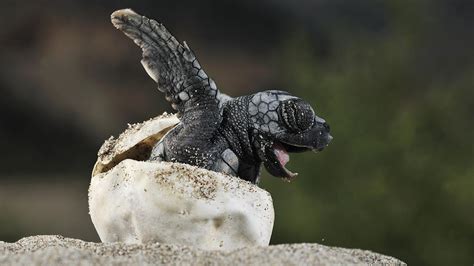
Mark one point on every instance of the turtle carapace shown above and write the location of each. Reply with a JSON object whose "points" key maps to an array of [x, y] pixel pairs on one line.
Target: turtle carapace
{"points": [[217, 132]]}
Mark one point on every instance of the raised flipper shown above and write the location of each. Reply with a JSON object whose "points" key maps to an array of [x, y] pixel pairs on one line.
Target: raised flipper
{"points": [[173, 66]]}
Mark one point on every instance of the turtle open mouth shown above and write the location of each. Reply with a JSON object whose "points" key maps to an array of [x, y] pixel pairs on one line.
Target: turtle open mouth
{"points": [[277, 148], [283, 158], [276, 158]]}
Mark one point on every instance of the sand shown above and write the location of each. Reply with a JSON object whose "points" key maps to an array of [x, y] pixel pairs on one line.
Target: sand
{"points": [[58, 250]]}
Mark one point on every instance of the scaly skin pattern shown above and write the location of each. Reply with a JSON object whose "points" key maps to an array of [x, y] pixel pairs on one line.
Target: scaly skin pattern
{"points": [[229, 135]]}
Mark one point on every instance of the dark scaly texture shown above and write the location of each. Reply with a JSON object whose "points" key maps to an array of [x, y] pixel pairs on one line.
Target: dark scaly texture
{"points": [[172, 65], [229, 135]]}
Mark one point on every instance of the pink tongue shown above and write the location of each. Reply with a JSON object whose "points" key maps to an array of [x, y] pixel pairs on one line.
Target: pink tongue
{"points": [[281, 154]]}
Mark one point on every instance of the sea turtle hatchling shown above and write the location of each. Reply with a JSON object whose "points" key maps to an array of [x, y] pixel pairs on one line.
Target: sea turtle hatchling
{"points": [[217, 132]]}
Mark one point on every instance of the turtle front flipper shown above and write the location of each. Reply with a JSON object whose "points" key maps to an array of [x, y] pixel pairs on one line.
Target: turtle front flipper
{"points": [[173, 66]]}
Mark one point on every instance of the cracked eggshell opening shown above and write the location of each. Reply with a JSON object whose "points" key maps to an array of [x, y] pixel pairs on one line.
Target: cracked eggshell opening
{"points": [[134, 201]]}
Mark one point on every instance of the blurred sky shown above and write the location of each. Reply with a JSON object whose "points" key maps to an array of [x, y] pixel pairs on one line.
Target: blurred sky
{"points": [[393, 78]]}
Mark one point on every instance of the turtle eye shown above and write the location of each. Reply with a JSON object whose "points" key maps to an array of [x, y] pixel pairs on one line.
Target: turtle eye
{"points": [[297, 115]]}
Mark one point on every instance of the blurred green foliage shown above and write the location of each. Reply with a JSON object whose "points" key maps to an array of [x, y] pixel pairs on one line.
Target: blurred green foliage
{"points": [[398, 177]]}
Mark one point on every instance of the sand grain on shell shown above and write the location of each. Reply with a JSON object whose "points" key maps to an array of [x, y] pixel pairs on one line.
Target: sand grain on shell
{"points": [[200, 181], [193, 178], [109, 147]]}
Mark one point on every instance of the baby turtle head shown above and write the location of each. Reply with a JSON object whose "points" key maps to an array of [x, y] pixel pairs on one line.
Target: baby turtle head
{"points": [[283, 123]]}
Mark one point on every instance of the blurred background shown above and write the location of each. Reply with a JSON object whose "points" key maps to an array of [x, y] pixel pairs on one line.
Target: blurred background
{"points": [[393, 78]]}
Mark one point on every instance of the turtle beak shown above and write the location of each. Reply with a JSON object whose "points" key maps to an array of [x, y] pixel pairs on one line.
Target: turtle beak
{"points": [[317, 138]]}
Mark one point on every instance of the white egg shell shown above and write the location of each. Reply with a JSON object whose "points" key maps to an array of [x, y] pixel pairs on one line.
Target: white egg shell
{"points": [[134, 201]]}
